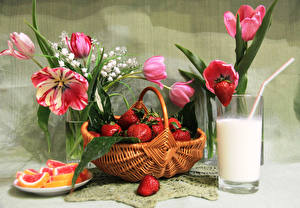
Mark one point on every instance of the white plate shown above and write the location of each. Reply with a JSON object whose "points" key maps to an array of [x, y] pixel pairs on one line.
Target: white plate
{"points": [[50, 191]]}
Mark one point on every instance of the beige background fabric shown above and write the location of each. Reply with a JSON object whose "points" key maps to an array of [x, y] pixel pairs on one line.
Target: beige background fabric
{"points": [[147, 28]]}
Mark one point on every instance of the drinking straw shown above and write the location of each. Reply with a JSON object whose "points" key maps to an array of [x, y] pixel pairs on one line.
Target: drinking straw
{"points": [[262, 87]]}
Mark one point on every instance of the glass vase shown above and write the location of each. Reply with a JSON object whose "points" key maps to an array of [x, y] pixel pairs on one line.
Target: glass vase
{"points": [[74, 141], [206, 116]]}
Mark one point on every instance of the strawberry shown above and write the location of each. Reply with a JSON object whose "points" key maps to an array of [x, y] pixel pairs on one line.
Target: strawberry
{"points": [[110, 129], [156, 124], [182, 135], [95, 134], [129, 117], [174, 124], [149, 185], [141, 131], [224, 91]]}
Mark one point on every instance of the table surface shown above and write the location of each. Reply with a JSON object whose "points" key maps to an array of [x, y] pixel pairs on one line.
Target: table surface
{"points": [[279, 187]]}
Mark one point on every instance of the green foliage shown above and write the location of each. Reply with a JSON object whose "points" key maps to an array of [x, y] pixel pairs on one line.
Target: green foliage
{"points": [[187, 117], [195, 60], [241, 45], [43, 118], [100, 116]]}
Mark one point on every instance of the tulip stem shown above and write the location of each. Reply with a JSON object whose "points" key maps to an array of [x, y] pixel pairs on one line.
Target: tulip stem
{"points": [[36, 62], [139, 77], [123, 77]]}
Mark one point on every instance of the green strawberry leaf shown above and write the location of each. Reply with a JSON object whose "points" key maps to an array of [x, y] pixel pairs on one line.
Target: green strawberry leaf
{"points": [[196, 61], [96, 148], [251, 52]]}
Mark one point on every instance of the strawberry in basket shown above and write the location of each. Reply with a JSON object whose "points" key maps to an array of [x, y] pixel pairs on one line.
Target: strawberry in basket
{"points": [[155, 123], [130, 117]]}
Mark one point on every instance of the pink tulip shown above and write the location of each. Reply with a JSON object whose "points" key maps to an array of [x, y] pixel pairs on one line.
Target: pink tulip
{"points": [[180, 93], [24, 45], [80, 44], [250, 20], [60, 88], [155, 70], [218, 70]]}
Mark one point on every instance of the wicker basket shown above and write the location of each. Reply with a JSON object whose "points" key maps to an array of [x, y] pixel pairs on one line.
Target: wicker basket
{"points": [[161, 157]]}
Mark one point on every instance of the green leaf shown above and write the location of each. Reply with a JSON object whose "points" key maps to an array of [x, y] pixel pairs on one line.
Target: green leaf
{"points": [[198, 81], [88, 63], [256, 43], [43, 118], [99, 116], [242, 86], [96, 148], [108, 115], [95, 117], [241, 45], [43, 42], [190, 75], [95, 75], [196, 61], [188, 118]]}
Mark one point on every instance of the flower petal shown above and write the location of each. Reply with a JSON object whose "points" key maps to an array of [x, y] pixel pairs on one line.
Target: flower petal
{"points": [[261, 10], [60, 88], [245, 11], [230, 23], [249, 28]]}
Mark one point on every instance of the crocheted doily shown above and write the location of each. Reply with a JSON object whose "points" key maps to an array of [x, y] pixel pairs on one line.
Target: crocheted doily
{"points": [[200, 181]]}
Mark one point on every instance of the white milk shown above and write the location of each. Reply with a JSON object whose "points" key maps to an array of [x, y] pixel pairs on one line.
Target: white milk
{"points": [[239, 149]]}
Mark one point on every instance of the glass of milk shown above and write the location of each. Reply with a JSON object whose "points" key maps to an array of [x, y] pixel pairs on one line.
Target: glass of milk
{"points": [[239, 144]]}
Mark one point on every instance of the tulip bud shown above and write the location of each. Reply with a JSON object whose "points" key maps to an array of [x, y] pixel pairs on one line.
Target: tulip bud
{"points": [[180, 93], [80, 44], [155, 70], [24, 45]]}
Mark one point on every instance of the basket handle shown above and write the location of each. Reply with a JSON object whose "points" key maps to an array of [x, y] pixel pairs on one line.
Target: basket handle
{"points": [[162, 103]]}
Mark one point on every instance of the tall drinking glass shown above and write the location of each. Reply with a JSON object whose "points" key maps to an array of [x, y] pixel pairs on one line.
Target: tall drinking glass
{"points": [[239, 140]]}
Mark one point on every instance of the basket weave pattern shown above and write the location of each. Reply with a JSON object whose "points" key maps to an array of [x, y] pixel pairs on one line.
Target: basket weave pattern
{"points": [[161, 157]]}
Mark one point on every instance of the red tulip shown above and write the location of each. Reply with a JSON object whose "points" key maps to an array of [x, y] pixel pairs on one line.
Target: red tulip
{"points": [[180, 93], [217, 71], [80, 44], [250, 20], [60, 88], [24, 45], [155, 70]]}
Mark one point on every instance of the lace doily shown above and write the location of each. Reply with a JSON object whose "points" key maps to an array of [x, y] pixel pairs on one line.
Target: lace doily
{"points": [[200, 181]]}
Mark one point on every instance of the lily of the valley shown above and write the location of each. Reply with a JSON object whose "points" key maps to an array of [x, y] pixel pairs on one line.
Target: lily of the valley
{"points": [[180, 93], [60, 88], [24, 45], [155, 70], [250, 20]]}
